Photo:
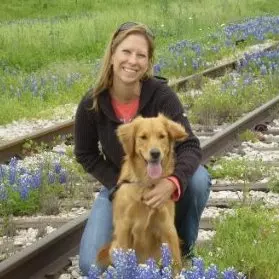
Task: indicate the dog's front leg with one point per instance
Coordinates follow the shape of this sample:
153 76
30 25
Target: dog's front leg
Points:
122 237
172 239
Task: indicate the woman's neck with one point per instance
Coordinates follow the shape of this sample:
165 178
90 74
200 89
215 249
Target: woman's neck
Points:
125 93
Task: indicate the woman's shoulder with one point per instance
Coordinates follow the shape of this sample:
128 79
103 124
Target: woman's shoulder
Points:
156 84
156 81
87 99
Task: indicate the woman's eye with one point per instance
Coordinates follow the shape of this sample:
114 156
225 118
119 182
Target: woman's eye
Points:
141 55
126 51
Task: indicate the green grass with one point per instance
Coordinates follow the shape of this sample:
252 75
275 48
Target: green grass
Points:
218 105
248 241
58 37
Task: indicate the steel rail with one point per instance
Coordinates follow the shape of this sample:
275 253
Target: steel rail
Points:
49 255
220 141
214 72
14 147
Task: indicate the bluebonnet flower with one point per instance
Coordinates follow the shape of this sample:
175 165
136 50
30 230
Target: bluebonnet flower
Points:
144 271
231 273
166 273
36 179
94 272
3 192
211 272
157 69
125 263
153 268
195 64
264 61
198 266
12 175
13 162
57 167
215 48
125 267
63 176
110 273
24 186
51 177
2 173
166 255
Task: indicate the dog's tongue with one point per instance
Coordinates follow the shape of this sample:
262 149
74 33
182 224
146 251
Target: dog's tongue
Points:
154 170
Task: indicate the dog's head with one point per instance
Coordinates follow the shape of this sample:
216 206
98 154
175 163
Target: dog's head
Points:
151 140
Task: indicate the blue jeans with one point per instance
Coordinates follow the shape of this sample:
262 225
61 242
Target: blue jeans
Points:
98 230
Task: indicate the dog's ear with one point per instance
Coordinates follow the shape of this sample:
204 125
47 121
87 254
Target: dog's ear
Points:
125 134
176 131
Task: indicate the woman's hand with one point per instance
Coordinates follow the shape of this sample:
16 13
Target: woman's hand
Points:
161 193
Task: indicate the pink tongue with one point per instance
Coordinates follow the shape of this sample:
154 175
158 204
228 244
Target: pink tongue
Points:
154 170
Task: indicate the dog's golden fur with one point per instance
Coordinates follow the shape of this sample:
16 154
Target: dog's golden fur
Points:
136 225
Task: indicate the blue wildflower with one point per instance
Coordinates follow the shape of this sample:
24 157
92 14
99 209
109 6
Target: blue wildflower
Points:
110 273
51 177
12 175
94 272
24 186
166 255
36 180
63 176
57 167
3 192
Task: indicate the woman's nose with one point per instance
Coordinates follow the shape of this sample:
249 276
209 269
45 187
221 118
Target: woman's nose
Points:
132 58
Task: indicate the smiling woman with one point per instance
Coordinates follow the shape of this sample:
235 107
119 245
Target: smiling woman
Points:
126 88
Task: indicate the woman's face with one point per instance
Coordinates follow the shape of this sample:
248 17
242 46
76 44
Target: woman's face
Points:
130 60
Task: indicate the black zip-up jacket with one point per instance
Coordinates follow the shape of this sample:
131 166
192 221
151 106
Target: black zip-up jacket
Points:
92 127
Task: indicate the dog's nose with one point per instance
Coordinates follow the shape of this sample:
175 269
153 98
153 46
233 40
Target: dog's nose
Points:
155 153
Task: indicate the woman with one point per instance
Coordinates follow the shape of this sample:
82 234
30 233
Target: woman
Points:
126 88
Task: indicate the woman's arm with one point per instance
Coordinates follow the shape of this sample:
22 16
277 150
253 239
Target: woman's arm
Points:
86 147
188 152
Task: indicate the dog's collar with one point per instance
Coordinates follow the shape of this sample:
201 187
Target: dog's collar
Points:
118 185
115 188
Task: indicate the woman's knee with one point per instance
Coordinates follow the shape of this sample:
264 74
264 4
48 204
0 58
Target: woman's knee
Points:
200 182
97 232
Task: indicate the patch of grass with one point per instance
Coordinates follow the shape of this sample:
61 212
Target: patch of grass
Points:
229 100
274 183
248 241
248 135
48 31
40 185
44 44
28 95
239 169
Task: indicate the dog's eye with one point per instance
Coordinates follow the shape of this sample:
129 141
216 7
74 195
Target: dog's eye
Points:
162 136
143 137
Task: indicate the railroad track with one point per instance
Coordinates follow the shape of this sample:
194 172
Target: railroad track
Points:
51 254
66 128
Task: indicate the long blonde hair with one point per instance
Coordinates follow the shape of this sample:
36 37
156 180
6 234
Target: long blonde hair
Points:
105 76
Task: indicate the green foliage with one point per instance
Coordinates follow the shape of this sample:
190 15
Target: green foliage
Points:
30 147
35 202
57 38
239 169
248 135
15 205
248 241
274 183
225 102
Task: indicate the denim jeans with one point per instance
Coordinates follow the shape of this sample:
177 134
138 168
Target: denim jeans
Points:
98 230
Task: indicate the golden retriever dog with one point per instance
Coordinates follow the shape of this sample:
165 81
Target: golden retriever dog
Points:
148 144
